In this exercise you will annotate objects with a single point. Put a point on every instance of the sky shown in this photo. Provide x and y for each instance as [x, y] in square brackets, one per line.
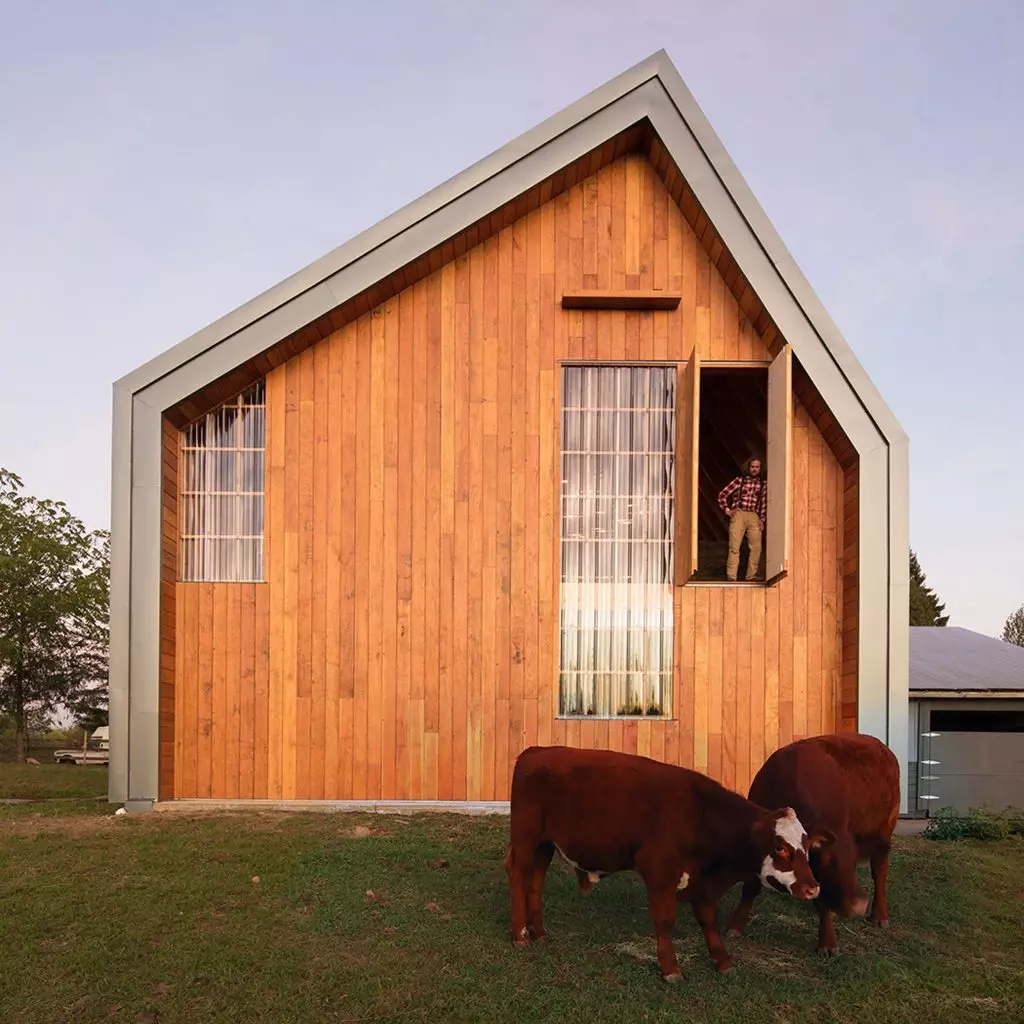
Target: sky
[162, 164]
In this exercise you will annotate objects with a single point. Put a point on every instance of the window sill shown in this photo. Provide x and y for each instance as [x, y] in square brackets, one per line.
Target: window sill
[614, 718]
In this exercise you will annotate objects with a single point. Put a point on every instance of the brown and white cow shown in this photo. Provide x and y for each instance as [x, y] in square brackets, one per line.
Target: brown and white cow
[687, 837]
[847, 784]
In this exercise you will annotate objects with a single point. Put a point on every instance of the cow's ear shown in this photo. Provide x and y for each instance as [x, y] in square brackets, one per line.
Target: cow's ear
[821, 839]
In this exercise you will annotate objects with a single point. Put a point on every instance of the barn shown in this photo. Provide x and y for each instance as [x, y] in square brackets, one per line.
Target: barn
[453, 489]
[966, 739]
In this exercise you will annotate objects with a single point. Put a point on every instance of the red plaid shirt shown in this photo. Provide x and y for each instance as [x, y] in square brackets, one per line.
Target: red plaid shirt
[753, 496]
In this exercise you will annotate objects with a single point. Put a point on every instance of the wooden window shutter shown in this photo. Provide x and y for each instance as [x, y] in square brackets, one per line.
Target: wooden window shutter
[687, 449]
[779, 465]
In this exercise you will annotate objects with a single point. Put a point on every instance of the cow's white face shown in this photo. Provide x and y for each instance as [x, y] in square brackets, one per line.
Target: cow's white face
[786, 868]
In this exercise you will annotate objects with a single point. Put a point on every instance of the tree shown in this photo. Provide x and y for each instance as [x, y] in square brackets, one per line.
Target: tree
[1013, 630]
[54, 605]
[925, 607]
[90, 709]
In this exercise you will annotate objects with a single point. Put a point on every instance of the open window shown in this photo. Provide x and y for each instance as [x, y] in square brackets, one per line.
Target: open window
[739, 413]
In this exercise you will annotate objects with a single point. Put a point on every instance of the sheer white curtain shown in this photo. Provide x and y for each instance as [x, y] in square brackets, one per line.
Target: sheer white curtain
[220, 491]
[617, 516]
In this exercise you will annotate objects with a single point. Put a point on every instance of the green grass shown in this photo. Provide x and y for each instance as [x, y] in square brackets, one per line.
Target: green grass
[108, 917]
[52, 781]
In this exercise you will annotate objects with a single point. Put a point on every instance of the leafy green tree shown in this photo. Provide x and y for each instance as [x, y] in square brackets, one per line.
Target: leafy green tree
[90, 710]
[54, 607]
[925, 607]
[1013, 629]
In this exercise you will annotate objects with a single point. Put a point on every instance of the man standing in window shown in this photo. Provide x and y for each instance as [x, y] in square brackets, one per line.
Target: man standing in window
[744, 500]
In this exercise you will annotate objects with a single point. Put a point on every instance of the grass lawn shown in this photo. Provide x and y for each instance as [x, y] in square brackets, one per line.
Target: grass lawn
[315, 917]
[53, 782]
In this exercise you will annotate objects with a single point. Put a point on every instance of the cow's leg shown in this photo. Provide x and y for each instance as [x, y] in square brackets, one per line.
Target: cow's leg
[519, 868]
[661, 897]
[707, 917]
[741, 915]
[827, 944]
[880, 875]
[535, 891]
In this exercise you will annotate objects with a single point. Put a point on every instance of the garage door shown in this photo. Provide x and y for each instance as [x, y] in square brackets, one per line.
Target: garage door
[978, 759]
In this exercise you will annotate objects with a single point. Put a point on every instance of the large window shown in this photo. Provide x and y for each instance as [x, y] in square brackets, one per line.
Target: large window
[617, 534]
[220, 484]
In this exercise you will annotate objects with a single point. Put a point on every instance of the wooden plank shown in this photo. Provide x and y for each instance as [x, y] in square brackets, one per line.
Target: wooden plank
[305, 571]
[232, 688]
[448, 675]
[336, 501]
[770, 714]
[389, 572]
[429, 559]
[687, 483]
[729, 680]
[181, 684]
[218, 735]
[376, 450]
[363, 516]
[816, 680]
[460, 614]
[621, 299]
[290, 568]
[188, 655]
[276, 485]
[701, 711]
[261, 713]
[350, 551]
[247, 686]
[319, 548]
[779, 465]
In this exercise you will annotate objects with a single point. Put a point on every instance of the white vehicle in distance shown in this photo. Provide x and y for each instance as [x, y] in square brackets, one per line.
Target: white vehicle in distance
[95, 751]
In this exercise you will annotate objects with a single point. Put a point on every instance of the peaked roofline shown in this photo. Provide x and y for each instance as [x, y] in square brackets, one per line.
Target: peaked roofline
[657, 67]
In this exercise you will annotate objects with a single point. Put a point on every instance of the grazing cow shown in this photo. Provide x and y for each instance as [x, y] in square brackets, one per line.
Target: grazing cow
[683, 833]
[848, 784]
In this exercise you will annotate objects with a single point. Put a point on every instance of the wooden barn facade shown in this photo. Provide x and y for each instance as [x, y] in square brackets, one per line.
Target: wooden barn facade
[453, 490]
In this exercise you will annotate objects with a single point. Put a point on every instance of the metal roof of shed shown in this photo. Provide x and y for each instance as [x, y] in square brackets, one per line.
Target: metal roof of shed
[954, 658]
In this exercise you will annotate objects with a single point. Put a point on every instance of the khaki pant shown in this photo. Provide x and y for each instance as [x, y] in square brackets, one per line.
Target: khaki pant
[744, 524]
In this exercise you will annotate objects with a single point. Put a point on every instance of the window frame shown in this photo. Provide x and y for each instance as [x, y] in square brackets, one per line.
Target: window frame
[668, 704]
[195, 562]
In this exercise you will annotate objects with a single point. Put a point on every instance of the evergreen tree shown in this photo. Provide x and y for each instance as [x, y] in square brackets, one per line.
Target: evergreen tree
[925, 607]
[1013, 630]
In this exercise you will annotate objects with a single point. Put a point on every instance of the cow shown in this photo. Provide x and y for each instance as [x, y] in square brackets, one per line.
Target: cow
[688, 837]
[847, 784]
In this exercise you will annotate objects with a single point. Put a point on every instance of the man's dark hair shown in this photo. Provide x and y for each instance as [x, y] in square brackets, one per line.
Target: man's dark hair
[745, 468]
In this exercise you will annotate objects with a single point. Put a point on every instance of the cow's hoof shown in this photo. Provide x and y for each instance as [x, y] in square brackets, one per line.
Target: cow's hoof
[881, 924]
[828, 951]
[672, 979]
[726, 968]
[539, 937]
[733, 933]
[520, 943]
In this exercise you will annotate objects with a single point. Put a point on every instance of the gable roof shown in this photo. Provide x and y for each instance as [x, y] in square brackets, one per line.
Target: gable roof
[953, 658]
[651, 89]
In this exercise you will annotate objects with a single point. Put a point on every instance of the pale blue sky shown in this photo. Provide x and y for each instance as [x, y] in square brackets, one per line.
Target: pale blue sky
[160, 167]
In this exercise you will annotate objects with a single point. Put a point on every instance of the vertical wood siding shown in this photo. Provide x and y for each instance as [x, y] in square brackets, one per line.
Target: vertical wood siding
[405, 644]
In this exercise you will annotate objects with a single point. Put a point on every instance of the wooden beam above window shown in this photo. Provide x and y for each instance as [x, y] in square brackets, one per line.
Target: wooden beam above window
[610, 298]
